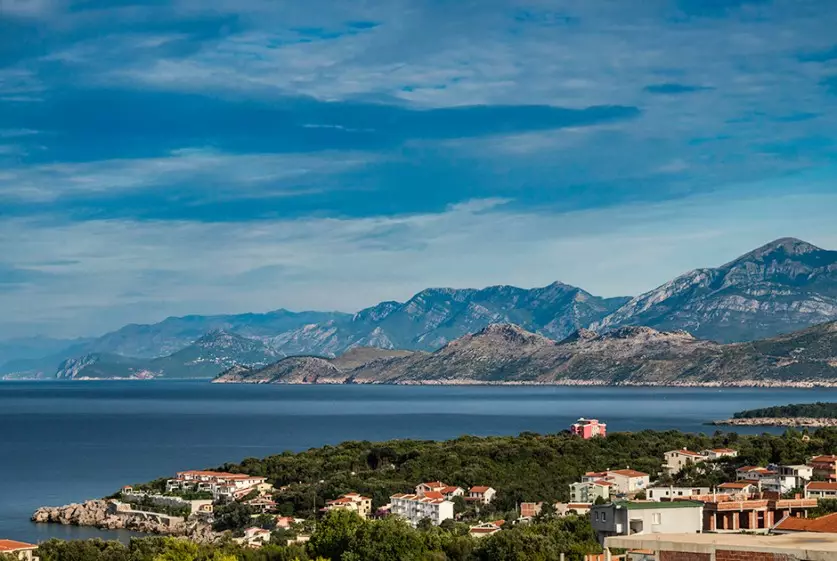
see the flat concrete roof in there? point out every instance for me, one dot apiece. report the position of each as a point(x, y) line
point(802, 545)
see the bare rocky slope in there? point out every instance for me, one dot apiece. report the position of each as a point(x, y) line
point(507, 354)
point(781, 287)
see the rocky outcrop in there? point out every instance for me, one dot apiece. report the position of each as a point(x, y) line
point(103, 514)
point(628, 356)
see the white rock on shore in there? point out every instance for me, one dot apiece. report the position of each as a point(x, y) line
point(98, 513)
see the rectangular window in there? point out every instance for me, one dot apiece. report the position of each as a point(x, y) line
point(604, 517)
point(597, 516)
point(655, 518)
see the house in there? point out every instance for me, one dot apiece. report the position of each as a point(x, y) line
point(448, 491)
point(486, 529)
point(628, 481)
point(530, 510)
point(589, 491)
point(801, 474)
point(20, 550)
point(429, 486)
point(254, 537)
point(351, 501)
point(719, 453)
point(415, 508)
point(728, 547)
point(566, 509)
point(668, 493)
point(284, 522)
point(480, 494)
point(823, 525)
point(625, 518)
point(262, 504)
point(593, 476)
point(756, 513)
point(824, 468)
point(676, 460)
point(754, 473)
point(222, 486)
point(588, 428)
point(821, 490)
point(738, 488)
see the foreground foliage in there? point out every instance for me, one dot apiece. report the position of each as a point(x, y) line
point(343, 536)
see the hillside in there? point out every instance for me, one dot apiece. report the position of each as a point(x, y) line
point(507, 354)
point(781, 287)
point(205, 358)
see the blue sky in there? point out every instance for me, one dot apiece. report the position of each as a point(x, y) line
point(166, 158)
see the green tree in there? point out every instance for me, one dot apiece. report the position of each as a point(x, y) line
point(387, 540)
point(334, 533)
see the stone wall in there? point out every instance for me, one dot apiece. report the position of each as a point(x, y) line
point(684, 556)
point(727, 555)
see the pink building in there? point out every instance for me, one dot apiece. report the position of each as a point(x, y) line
point(588, 428)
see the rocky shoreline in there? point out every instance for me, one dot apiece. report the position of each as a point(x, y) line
point(804, 384)
point(102, 514)
point(778, 422)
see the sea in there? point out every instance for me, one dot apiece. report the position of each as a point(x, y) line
point(64, 442)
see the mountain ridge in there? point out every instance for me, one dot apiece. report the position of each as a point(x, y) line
point(632, 355)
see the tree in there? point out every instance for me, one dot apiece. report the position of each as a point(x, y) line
point(335, 533)
point(386, 540)
point(232, 516)
point(424, 524)
point(600, 501)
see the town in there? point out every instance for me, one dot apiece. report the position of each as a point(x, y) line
point(627, 509)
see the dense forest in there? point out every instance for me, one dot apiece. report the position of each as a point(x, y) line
point(529, 467)
point(819, 410)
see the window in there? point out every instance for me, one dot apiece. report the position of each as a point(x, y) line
point(597, 516)
point(604, 517)
point(655, 518)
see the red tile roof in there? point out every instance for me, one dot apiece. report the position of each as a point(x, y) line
point(479, 489)
point(686, 452)
point(735, 485)
point(628, 473)
point(434, 484)
point(12, 545)
point(448, 490)
point(823, 524)
point(434, 495)
point(603, 483)
point(821, 486)
point(722, 450)
point(824, 459)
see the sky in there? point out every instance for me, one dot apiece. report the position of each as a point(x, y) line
point(174, 157)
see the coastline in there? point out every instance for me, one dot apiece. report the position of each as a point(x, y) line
point(810, 422)
point(106, 515)
point(804, 384)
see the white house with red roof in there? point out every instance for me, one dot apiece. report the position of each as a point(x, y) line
point(628, 481)
point(448, 491)
point(719, 453)
point(676, 460)
point(821, 490)
point(414, 508)
point(20, 550)
point(481, 494)
point(824, 467)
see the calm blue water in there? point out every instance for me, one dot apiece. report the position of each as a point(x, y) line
point(63, 442)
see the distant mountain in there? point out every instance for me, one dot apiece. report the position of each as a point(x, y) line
point(167, 337)
point(205, 358)
point(507, 354)
point(435, 316)
point(781, 287)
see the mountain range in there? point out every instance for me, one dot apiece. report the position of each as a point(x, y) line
point(779, 288)
point(507, 354)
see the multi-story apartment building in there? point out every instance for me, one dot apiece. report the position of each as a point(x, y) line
point(415, 508)
point(222, 486)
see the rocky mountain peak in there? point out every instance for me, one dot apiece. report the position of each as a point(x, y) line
point(778, 249)
point(581, 335)
point(510, 333)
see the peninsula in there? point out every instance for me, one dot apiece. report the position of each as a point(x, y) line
point(818, 414)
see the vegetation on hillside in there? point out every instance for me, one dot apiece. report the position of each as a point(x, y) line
point(819, 410)
point(529, 467)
